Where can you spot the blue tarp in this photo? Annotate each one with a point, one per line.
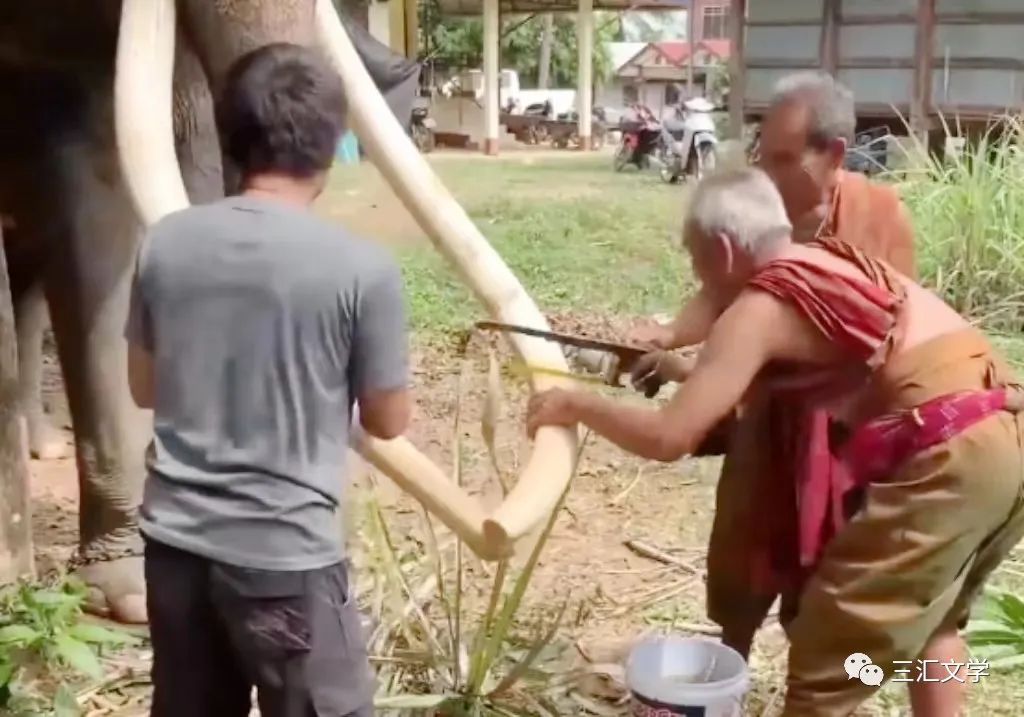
(348, 149)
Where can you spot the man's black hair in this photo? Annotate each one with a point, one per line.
(281, 110)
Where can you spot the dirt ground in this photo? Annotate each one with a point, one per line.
(615, 594)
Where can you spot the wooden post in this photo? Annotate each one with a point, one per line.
(492, 47)
(691, 37)
(585, 73)
(830, 37)
(737, 67)
(412, 29)
(15, 517)
(924, 54)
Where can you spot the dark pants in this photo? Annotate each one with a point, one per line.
(220, 630)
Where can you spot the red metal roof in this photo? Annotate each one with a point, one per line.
(678, 53)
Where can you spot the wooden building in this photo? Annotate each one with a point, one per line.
(911, 58)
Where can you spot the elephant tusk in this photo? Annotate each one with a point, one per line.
(550, 467)
(144, 123)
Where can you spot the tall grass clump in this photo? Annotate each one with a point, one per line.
(968, 215)
(437, 654)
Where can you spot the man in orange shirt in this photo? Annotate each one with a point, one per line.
(804, 139)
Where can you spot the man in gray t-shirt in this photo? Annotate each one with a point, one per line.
(254, 326)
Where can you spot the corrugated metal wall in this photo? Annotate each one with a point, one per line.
(977, 53)
(876, 40)
(782, 36)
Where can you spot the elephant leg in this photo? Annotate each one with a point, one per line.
(45, 440)
(87, 288)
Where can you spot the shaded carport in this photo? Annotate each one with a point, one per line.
(491, 10)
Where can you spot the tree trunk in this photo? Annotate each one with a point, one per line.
(544, 63)
(15, 523)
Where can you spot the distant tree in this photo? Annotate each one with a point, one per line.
(458, 43)
(718, 81)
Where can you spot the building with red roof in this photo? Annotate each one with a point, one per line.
(657, 74)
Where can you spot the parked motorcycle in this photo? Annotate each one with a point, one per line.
(686, 145)
(422, 129)
(640, 137)
(870, 152)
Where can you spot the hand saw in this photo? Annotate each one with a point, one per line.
(604, 357)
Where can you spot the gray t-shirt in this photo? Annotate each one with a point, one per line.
(265, 324)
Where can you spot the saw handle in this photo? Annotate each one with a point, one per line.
(645, 374)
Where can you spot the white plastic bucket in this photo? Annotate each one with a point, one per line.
(686, 677)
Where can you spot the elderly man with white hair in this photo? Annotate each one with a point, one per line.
(804, 139)
(894, 515)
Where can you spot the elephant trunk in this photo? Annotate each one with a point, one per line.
(143, 116)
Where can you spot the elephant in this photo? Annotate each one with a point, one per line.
(108, 126)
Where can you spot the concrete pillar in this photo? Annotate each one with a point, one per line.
(378, 22)
(396, 26)
(412, 29)
(585, 92)
(492, 47)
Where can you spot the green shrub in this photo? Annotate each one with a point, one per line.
(42, 640)
(968, 213)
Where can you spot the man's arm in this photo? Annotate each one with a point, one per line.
(380, 358)
(754, 330)
(140, 375)
(690, 326)
(139, 334)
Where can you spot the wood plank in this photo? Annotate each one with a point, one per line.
(737, 67)
(782, 63)
(878, 63)
(888, 63)
(980, 18)
(924, 41)
(898, 19)
(15, 515)
(829, 53)
(809, 22)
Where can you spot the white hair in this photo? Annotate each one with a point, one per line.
(831, 106)
(743, 204)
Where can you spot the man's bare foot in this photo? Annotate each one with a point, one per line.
(46, 442)
(117, 590)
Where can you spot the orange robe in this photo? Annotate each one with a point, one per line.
(929, 450)
(867, 216)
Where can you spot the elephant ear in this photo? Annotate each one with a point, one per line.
(396, 76)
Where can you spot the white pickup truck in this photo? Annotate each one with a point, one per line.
(512, 96)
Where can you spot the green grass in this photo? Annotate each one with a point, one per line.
(577, 235)
(968, 214)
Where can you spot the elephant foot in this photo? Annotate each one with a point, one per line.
(116, 590)
(46, 442)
